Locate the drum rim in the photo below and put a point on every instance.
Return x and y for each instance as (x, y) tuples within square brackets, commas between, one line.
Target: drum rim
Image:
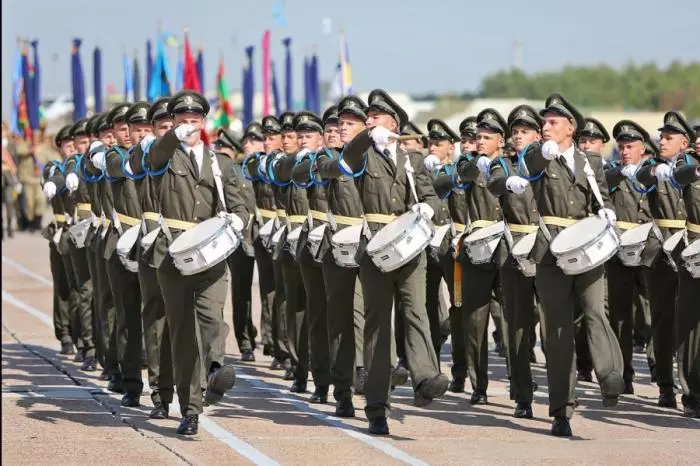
[(512, 250), (486, 238), (678, 234), (604, 231), (224, 226), (693, 243), (136, 228), (417, 220)]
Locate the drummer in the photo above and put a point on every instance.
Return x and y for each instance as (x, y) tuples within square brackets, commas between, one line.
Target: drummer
[(383, 183), (242, 262), (194, 303), (155, 327), (520, 211), (290, 144), (632, 208), (130, 125), (687, 175), (479, 281), (562, 295), (331, 130), (414, 145), (669, 214)]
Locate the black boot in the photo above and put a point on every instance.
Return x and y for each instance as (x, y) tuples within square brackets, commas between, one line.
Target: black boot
[(319, 396), (189, 425), (159, 411), (523, 411), (344, 408), (561, 427), (378, 426)]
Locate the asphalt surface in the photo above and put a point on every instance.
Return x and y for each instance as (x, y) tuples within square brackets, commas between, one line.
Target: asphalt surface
[(54, 413)]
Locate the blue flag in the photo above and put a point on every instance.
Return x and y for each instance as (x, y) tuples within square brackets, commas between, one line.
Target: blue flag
[(160, 82), (307, 86), (275, 90), (200, 70), (16, 92), (136, 81), (97, 78), (149, 67), (32, 105), (314, 86), (248, 87), (36, 81), (128, 79), (79, 107), (288, 74)]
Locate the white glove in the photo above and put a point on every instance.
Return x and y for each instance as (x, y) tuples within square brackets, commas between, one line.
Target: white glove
[(550, 150), (98, 160), (483, 163), (94, 145), (424, 210), (516, 184), (263, 163), (629, 171), (431, 162), (607, 214), (302, 153), (18, 188), (184, 131), (146, 141), (72, 182), (380, 135), (236, 222), (662, 172), (49, 190)]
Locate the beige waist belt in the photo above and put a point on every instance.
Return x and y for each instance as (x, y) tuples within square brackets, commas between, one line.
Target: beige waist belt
[(481, 223), (460, 227), (264, 213), (527, 229), (131, 221), (626, 225), (84, 207), (153, 216), (317, 215), (179, 224), (666, 223), (380, 218), (347, 221), (559, 221), (694, 227)]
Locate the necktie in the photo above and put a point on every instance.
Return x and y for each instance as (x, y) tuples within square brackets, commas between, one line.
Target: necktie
[(193, 158)]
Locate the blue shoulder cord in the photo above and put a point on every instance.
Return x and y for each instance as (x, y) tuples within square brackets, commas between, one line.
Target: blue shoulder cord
[(458, 185), (244, 166), (272, 178), (131, 176), (312, 181), (86, 174), (349, 173), (62, 168), (521, 158), (107, 177), (146, 168), (312, 175), (673, 181)]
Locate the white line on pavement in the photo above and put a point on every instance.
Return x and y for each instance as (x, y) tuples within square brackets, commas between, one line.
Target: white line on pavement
[(241, 447), (22, 269)]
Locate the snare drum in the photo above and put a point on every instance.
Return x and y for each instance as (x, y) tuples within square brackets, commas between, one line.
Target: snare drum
[(671, 244), (521, 251), (691, 258), (265, 233), (345, 243), (147, 242), (79, 232), (293, 239), (276, 237), (632, 243), (400, 241), (482, 243), (440, 233), (584, 245), (204, 246), (125, 244), (314, 240)]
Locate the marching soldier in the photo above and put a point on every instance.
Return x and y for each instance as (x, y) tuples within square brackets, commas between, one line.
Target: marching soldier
[(156, 331), (419, 145), (193, 303), (669, 215), (28, 174), (290, 144), (520, 213), (331, 130), (564, 196), (632, 208), (242, 261), (383, 173)]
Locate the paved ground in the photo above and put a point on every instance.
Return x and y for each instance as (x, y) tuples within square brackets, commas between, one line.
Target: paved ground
[(54, 413)]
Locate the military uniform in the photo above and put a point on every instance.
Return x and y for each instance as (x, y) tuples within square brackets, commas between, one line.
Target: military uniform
[(626, 283), (193, 304), (383, 188), (28, 164), (564, 196)]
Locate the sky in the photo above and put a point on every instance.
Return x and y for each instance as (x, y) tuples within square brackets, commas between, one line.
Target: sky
[(413, 46)]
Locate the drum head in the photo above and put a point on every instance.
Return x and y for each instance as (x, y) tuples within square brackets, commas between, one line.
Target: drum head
[(672, 241), (150, 237), (128, 238), (440, 233), (393, 230), (579, 234), (635, 235), (693, 249), (317, 233), (486, 232), (349, 235), (294, 234), (525, 245), (197, 235), (266, 229)]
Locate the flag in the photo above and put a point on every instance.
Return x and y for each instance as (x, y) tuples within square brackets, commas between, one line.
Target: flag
[(36, 81), (159, 84), (288, 74), (266, 72), (25, 130), (346, 71), (29, 100), (314, 85), (136, 80), (225, 111), (275, 91), (307, 88), (79, 107), (277, 13), (97, 78), (16, 91), (128, 79), (190, 80), (149, 68), (200, 70), (171, 40), (179, 72), (248, 87)]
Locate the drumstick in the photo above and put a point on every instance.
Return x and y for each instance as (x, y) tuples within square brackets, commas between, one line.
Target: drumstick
[(406, 137)]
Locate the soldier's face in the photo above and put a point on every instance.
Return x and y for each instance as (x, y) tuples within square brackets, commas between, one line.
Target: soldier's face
[(273, 142), (310, 140), (331, 134), (81, 144), (631, 152), (468, 144), (67, 149), (523, 136), (121, 133), (557, 128), (591, 144), (350, 127), (107, 137), (441, 148), (488, 143), (162, 126), (412, 145), (252, 145), (289, 142), (697, 144), (194, 119), (672, 144), (377, 118), (138, 131)]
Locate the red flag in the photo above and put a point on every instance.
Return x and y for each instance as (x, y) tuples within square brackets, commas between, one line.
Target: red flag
[(190, 76), (266, 72)]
